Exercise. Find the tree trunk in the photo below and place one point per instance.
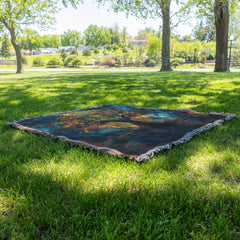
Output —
(17, 48)
(165, 8)
(221, 12)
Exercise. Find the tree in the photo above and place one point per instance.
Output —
(5, 49)
(31, 41)
(144, 9)
(115, 35)
(221, 10)
(15, 15)
(72, 38)
(154, 48)
(205, 32)
(97, 36)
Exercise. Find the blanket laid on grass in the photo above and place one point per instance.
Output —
(122, 130)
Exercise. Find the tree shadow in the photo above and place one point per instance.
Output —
(162, 198)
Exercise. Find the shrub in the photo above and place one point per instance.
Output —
(68, 60)
(175, 64)
(109, 61)
(119, 60)
(74, 51)
(109, 48)
(54, 62)
(38, 62)
(86, 52)
(96, 50)
(115, 46)
(125, 50)
(97, 62)
(150, 62)
(105, 52)
(63, 54)
(178, 60)
(76, 62)
(138, 62)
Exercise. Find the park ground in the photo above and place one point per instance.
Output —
(53, 190)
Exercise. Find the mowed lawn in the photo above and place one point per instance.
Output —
(53, 190)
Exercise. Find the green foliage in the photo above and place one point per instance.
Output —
(154, 48)
(54, 62)
(119, 60)
(71, 38)
(68, 60)
(38, 62)
(97, 36)
(125, 50)
(63, 54)
(109, 47)
(96, 50)
(138, 62)
(175, 64)
(86, 52)
(115, 47)
(150, 62)
(5, 49)
(74, 51)
(109, 62)
(24, 60)
(178, 60)
(51, 41)
(77, 62)
(31, 40)
(73, 61)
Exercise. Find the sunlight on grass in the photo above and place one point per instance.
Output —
(52, 190)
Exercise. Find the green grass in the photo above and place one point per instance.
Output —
(52, 190)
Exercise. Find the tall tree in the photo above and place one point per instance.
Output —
(221, 10)
(72, 38)
(16, 15)
(144, 9)
(97, 36)
(5, 49)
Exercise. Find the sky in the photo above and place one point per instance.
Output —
(88, 13)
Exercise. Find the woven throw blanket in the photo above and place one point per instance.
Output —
(122, 130)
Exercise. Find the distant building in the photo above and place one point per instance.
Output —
(67, 48)
(48, 50)
(137, 43)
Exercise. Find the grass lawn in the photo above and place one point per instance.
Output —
(52, 190)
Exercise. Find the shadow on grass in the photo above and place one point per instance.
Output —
(110, 198)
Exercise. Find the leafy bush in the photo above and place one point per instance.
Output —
(68, 60)
(109, 48)
(178, 60)
(97, 62)
(76, 62)
(119, 60)
(54, 62)
(115, 46)
(125, 50)
(86, 52)
(63, 54)
(175, 64)
(74, 51)
(138, 62)
(105, 52)
(150, 62)
(109, 61)
(38, 62)
(96, 50)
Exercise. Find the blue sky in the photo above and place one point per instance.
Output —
(89, 13)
